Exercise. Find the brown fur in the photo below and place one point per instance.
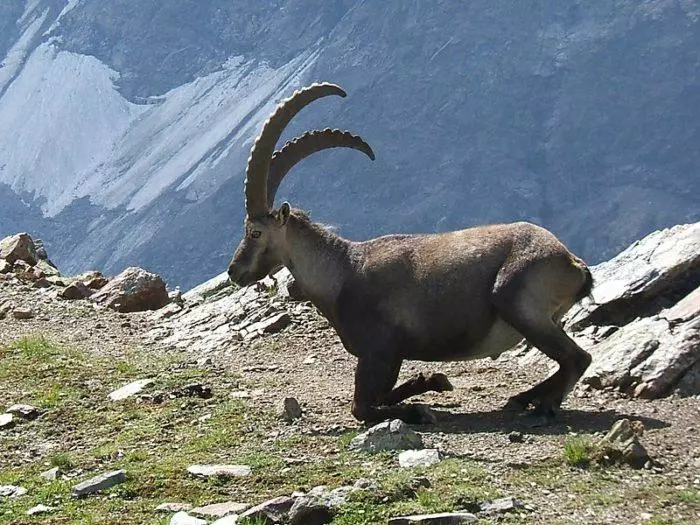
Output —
(440, 297)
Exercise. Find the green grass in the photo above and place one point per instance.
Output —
(577, 451)
(84, 433)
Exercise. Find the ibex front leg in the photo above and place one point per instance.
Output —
(375, 401)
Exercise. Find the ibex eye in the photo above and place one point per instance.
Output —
(255, 234)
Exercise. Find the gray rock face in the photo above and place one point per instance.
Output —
(99, 483)
(133, 290)
(389, 435)
(443, 518)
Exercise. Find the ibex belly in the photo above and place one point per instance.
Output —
(462, 347)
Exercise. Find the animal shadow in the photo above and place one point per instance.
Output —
(500, 420)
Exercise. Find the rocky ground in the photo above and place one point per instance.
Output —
(215, 372)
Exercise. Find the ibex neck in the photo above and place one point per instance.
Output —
(318, 259)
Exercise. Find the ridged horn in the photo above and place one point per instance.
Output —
(297, 149)
(261, 152)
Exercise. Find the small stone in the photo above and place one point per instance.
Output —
(443, 518)
(12, 491)
(182, 518)
(515, 437)
(419, 458)
(40, 509)
(99, 483)
(204, 361)
(219, 510)
(51, 474)
(168, 507)
(271, 511)
(76, 290)
(389, 435)
(229, 471)
(623, 442)
(24, 411)
(500, 505)
(22, 313)
(291, 409)
(130, 389)
(419, 482)
(365, 484)
(7, 421)
(193, 390)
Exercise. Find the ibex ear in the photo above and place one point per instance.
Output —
(283, 214)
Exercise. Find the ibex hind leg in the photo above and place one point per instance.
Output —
(543, 332)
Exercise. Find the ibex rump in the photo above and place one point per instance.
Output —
(440, 297)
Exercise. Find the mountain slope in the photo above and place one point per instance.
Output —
(125, 125)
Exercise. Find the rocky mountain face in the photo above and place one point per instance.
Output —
(125, 124)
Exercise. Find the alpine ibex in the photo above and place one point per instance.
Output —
(435, 297)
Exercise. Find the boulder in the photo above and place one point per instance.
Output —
(389, 435)
(18, 247)
(133, 290)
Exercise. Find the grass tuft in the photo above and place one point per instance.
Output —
(577, 451)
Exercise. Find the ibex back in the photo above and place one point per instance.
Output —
(442, 297)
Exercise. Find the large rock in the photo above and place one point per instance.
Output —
(389, 435)
(18, 247)
(133, 290)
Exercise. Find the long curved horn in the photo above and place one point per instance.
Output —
(301, 147)
(261, 152)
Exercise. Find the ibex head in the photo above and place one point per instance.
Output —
(264, 242)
